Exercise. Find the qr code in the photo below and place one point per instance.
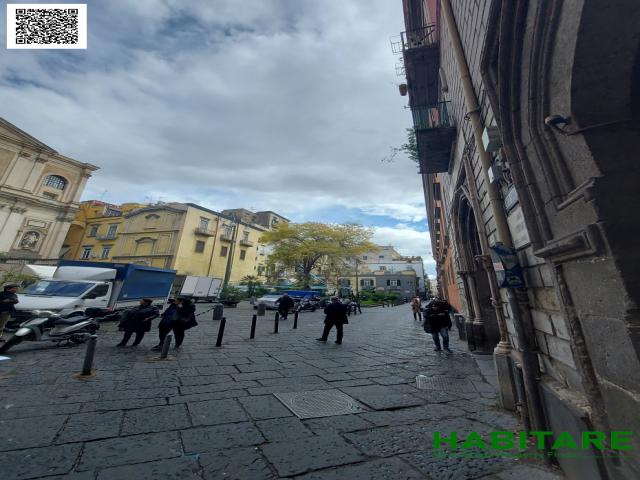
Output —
(46, 26)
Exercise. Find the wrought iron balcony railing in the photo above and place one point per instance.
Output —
(433, 116)
(205, 232)
(417, 38)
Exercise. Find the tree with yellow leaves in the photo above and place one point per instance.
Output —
(301, 246)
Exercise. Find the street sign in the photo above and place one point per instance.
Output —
(507, 267)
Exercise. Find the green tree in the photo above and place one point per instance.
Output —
(18, 278)
(252, 283)
(301, 246)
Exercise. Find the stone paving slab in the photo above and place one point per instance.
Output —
(212, 413)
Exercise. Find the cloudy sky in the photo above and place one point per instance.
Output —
(284, 105)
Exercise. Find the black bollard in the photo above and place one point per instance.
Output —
(89, 354)
(223, 322)
(275, 325)
(295, 319)
(165, 346)
(253, 326)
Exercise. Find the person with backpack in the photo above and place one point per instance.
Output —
(437, 322)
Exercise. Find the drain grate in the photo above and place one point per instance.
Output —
(444, 383)
(319, 403)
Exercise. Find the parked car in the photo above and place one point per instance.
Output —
(270, 300)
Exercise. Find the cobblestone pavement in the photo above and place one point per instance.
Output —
(212, 413)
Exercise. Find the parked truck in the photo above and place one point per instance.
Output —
(76, 286)
(204, 289)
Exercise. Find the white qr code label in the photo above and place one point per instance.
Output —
(46, 26)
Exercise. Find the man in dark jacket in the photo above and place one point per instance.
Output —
(8, 300)
(336, 315)
(179, 319)
(285, 304)
(165, 325)
(437, 322)
(138, 321)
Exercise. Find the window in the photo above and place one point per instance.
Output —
(243, 254)
(86, 253)
(227, 230)
(437, 194)
(94, 230)
(261, 270)
(393, 283)
(366, 282)
(55, 181)
(224, 251)
(106, 251)
(112, 212)
(245, 236)
(112, 230)
(99, 291)
(199, 246)
(204, 223)
(364, 257)
(380, 256)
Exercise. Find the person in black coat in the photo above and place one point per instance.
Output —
(166, 319)
(8, 301)
(285, 304)
(183, 318)
(336, 315)
(138, 321)
(437, 322)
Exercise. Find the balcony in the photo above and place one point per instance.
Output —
(106, 236)
(246, 243)
(421, 53)
(435, 134)
(226, 237)
(205, 232)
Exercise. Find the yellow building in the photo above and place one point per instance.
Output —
(182, 236)
(94, 230)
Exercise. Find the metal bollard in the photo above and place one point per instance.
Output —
(275, 326)
(223, 322)
(253, 326)
(165, 346)
(295, 319)
(89, 354)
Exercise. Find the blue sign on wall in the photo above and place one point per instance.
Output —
(507, 267)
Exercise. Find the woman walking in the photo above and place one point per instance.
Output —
(178, 317)
(138, 321)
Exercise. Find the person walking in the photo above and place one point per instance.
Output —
(183, 319)
(285, 304)
(416, 304)
(166, 320)
(336, 315)
(138, 321)
(437, 322)
(8, 302)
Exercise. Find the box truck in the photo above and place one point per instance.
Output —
(75, 286)
(197, 288)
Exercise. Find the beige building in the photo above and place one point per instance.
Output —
(182, 236)
(39, 194)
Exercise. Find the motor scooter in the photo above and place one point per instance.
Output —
(48, 327)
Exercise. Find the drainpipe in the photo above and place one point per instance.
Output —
(519, 309)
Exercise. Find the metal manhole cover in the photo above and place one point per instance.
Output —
(443, 383)
(320, 403)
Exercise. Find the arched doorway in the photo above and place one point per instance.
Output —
(481, 323)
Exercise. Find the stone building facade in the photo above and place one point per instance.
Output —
(527, 114)
(39, 194)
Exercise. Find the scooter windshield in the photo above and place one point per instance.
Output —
(57, 288)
